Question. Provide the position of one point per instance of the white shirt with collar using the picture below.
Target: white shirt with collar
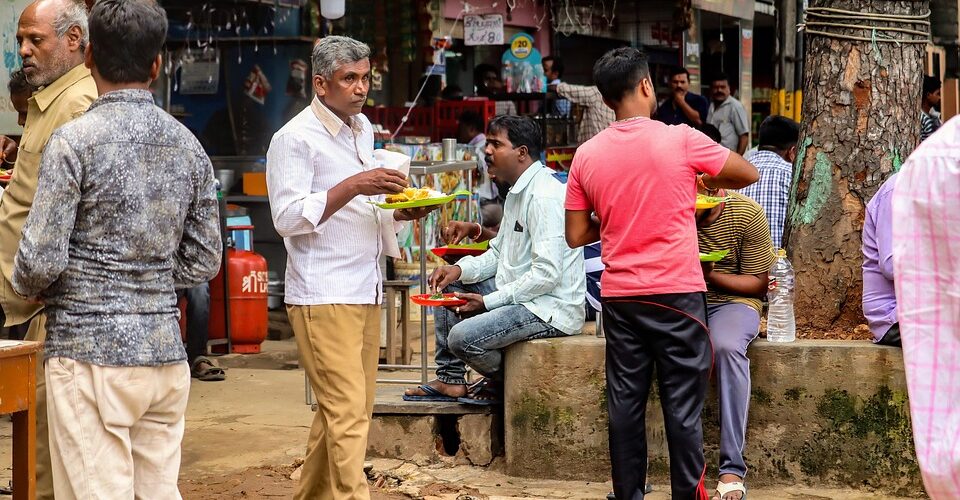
(336, 261)
(530, 258)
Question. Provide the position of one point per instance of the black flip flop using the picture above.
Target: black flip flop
(485, 389)
(431, 395)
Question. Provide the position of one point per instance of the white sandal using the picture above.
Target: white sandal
(724, 488)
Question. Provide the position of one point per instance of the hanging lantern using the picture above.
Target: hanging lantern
(332, 9)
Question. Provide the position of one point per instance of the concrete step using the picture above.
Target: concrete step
(822, 412)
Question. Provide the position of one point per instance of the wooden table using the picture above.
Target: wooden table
(391, 289)
(18, 395)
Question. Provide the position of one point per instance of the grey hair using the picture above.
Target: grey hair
(74, 13)
(331, 52)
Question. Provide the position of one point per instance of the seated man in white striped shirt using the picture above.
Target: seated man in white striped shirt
(321, 175)
(528, 285)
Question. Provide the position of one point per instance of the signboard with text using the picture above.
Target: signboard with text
(483, 30)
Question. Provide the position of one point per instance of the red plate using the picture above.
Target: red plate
(425, 300)
(456, 252)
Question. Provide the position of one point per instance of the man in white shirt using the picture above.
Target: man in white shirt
(528, 285)
(321, 175)
(728, 115)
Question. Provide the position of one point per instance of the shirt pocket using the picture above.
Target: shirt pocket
(26, 172)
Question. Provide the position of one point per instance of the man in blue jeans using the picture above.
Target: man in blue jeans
(528, 285)
(198, 332)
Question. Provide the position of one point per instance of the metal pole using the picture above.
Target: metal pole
(423, 289)
(405, 367)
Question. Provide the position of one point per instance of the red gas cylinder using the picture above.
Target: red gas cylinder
(247, 273)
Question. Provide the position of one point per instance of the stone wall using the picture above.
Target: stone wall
(822, 412)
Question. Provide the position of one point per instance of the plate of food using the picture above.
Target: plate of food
(462, 249)
(419, 197)
(5, 175)
(704, 201)
(713, 256)
(437, 299)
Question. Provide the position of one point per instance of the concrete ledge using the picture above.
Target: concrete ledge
(822, 412)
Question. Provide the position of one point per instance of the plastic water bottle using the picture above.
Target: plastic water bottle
(781, 324)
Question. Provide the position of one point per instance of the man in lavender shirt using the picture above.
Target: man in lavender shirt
(879, 298)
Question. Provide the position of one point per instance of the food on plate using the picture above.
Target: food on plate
(413, 194)
(704, 201)
(702, 198)
(442, 296)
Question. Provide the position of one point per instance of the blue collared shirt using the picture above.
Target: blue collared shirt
(530, 258)
(772, 191)
(669, 113)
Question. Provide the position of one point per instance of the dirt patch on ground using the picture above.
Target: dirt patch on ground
(860, 332)
(255, 482)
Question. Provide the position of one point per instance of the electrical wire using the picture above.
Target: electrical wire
(416, 99)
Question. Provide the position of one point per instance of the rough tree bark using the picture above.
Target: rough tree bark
(861, 108)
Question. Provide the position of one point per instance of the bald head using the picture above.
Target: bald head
(52, 35)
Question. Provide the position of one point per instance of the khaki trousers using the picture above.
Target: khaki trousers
(339, 348)
(37, 332)
(115, 431)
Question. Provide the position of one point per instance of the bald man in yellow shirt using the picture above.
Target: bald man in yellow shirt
(52, 62)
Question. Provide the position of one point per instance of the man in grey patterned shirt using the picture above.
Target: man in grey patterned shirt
(125, 212)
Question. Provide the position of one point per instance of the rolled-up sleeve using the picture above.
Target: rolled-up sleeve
(44, 248)
(476, 269)
(295, 209)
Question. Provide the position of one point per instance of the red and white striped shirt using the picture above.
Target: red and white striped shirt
(926, 255)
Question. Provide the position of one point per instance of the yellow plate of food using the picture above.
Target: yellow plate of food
(713, 256)
(419, 197)
(704, 201)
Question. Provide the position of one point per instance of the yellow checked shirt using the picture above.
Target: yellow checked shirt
(742, 230)
(49, 108)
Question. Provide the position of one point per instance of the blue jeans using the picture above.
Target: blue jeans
(198, 318)
(477, 341)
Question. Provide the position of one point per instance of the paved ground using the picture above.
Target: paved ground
(246, 435)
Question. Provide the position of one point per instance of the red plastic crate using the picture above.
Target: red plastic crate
(375, 114)
(419, 123)
(446, 114)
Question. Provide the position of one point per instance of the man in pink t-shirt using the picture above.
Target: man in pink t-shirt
(633, 187)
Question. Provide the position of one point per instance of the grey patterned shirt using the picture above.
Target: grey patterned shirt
(125, 213)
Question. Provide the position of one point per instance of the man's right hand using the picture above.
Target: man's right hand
(443, 276)
(8, 150)
(679, 95)
(379, 181)
(455, 231)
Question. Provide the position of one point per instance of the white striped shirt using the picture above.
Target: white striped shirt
(337, 261)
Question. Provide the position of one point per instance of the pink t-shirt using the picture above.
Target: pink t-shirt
(639, 177)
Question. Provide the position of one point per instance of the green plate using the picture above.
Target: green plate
(483, 245)
(704, 202)
(428, 202)
(713, 256)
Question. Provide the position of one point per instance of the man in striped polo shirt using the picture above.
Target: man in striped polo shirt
(735, 285)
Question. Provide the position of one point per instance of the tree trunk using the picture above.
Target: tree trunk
(861, 107)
